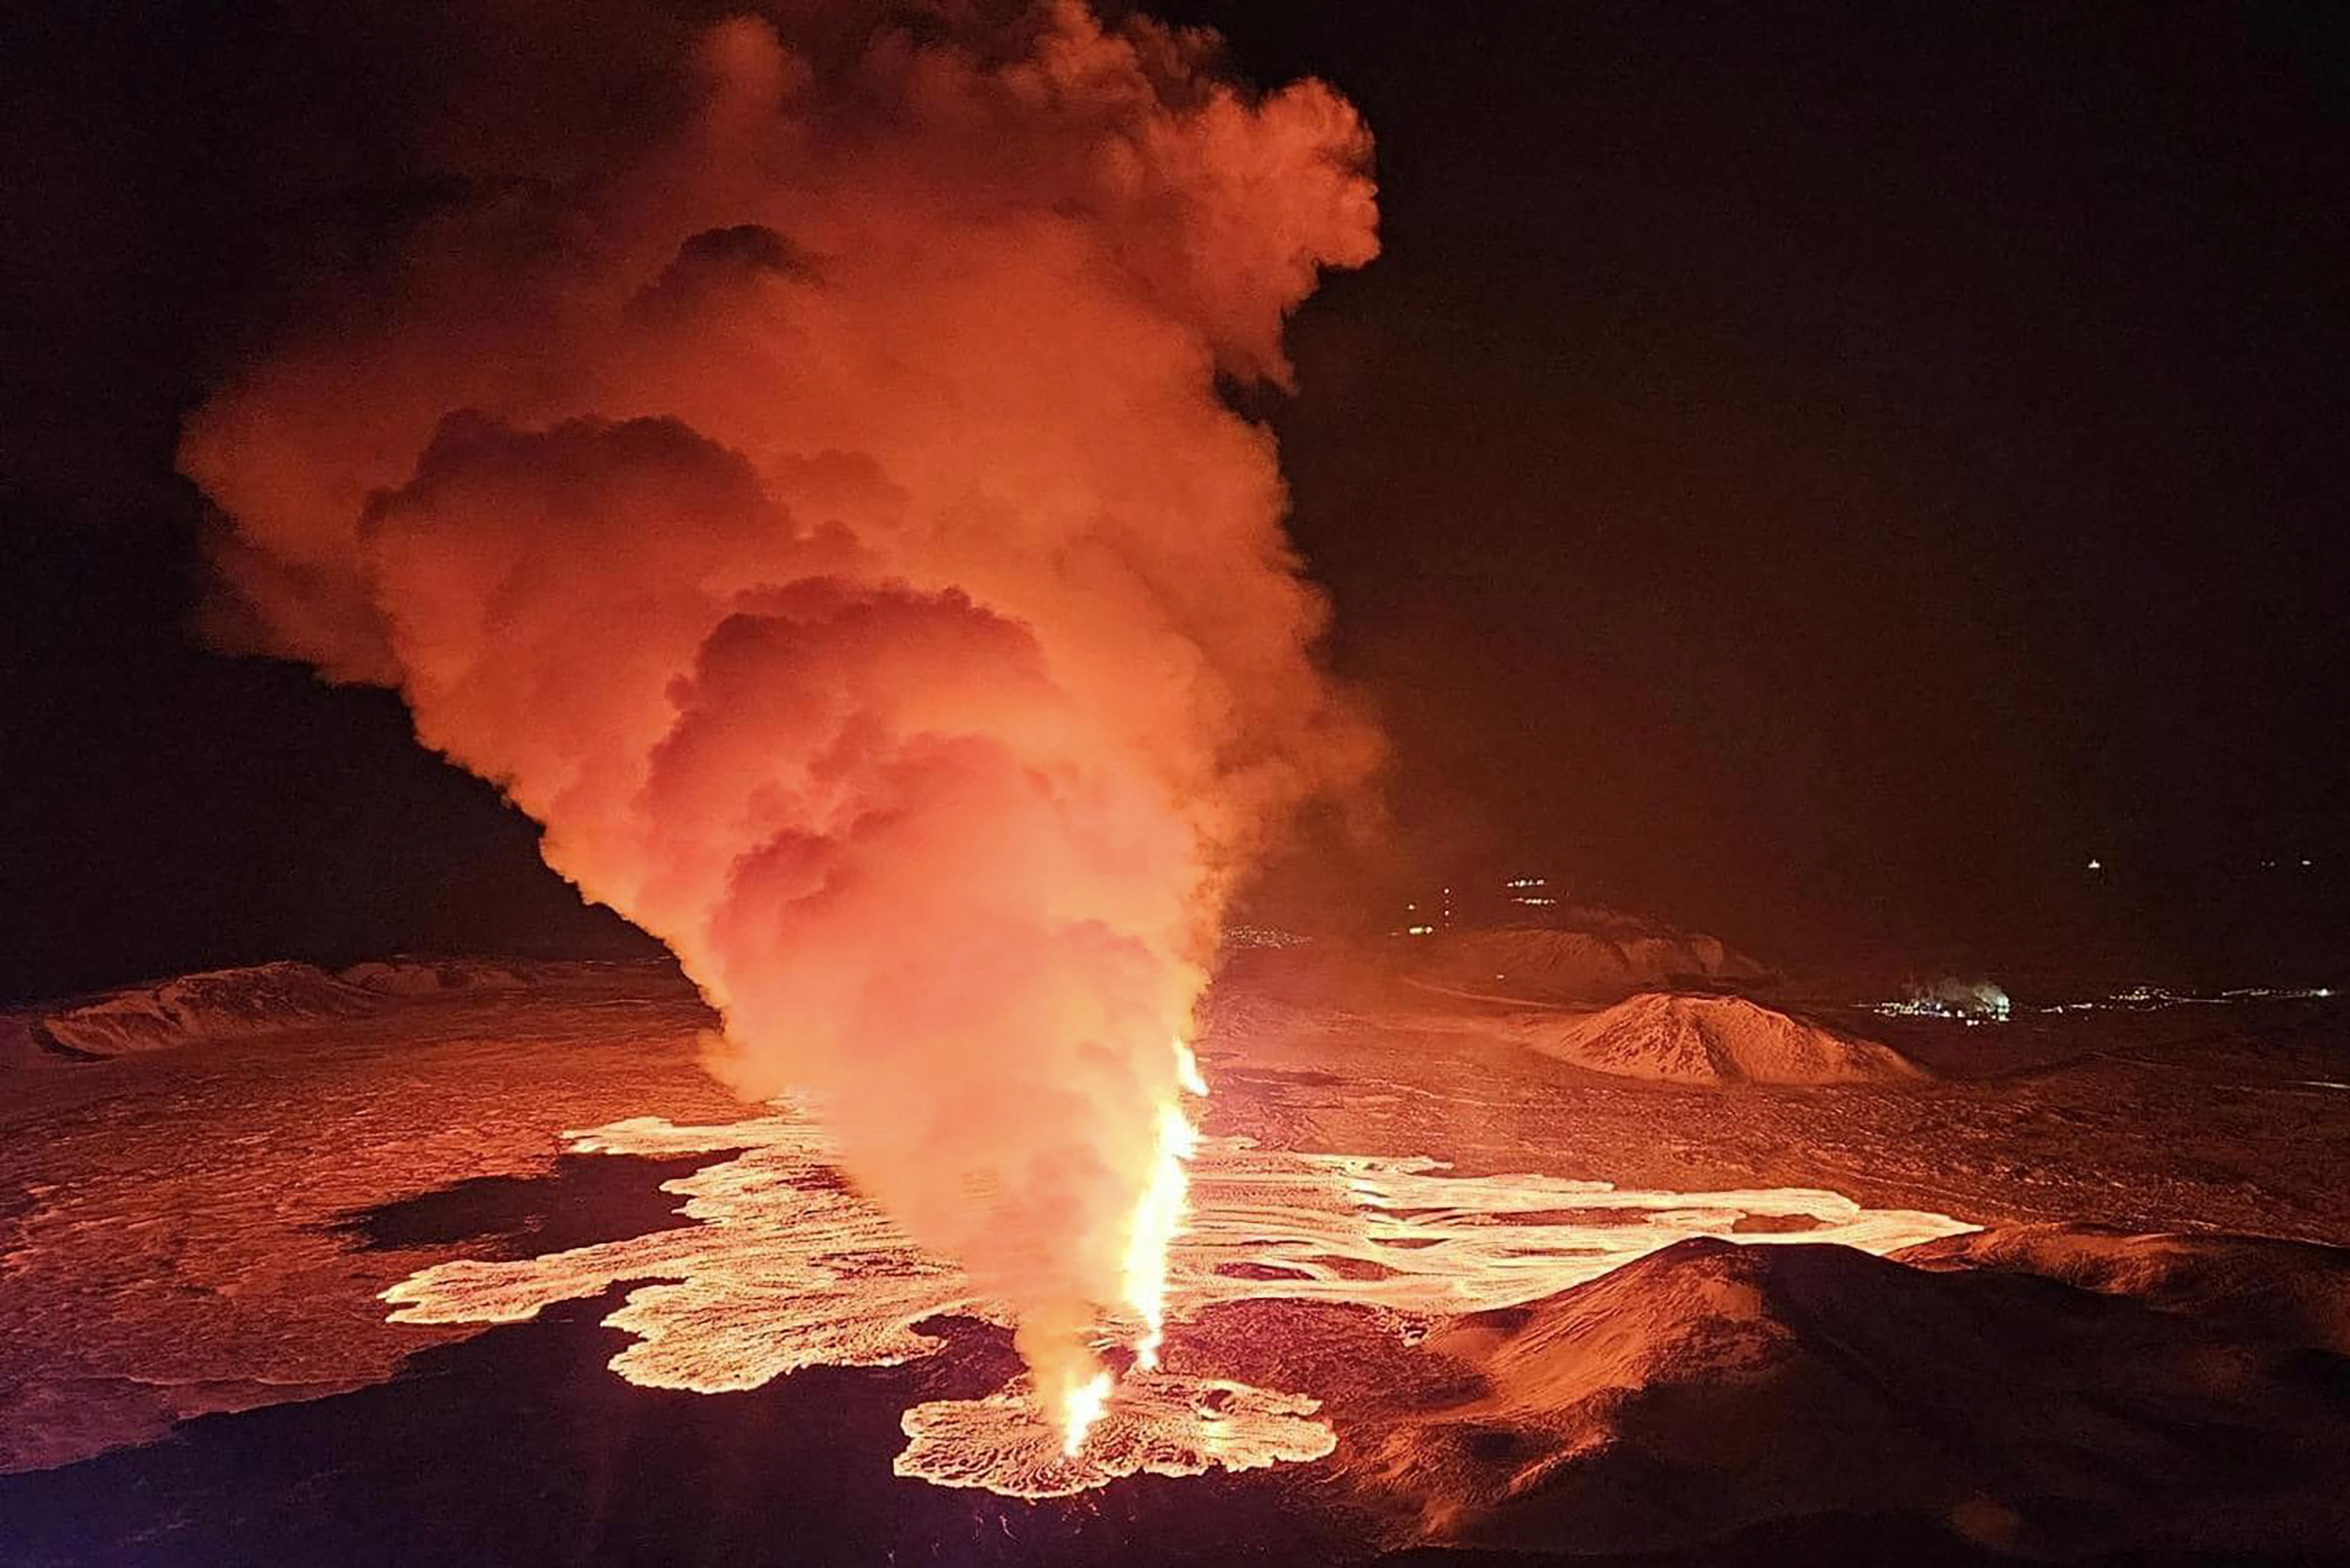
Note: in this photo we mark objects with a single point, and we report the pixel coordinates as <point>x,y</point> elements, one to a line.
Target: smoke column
<point>786,458</point>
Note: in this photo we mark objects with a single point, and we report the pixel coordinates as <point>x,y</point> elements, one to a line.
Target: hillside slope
<point>1709,1386</point>
<point>1665,1038</point>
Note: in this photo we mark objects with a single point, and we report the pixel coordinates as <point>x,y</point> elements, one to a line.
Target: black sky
<point>1822,473</point>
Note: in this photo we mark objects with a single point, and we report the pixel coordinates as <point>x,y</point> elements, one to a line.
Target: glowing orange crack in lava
<point>788,1268</point>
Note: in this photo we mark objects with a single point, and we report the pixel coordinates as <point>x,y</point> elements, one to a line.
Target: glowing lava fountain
<point>1156,1220</point>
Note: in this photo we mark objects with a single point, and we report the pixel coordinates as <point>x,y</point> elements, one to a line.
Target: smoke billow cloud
<point>787,460</point>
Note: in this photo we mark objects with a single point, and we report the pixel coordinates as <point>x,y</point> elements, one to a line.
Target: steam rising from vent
<point>812,502</point>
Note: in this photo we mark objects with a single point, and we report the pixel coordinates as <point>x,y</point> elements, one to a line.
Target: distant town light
<point>1261,936</point>
<point>1980,1003</point>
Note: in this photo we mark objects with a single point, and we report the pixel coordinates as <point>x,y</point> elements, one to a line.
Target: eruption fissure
<point>786,1270</point>
<point>813,501</point>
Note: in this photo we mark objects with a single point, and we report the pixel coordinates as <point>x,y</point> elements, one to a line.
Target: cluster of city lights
<point>1525,892</point>
<point>1992,1010</point>
<point>1261,936</point>
<point>2149,998</point>
<point>1528,890</point>
<point>1963,1001</point>
<point>1988,1004</point>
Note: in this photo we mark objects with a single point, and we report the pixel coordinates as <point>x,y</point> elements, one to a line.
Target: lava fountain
<point>809,496</point>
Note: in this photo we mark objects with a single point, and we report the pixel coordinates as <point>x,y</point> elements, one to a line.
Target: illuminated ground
<point>786,1270</point>
<point>208,1230</point>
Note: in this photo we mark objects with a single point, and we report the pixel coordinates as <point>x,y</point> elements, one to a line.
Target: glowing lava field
<point>1433,1287</point>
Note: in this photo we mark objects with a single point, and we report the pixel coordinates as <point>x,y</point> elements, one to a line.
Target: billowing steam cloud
<point>803,487</point>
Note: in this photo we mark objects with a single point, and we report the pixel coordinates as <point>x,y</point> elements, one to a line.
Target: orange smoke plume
<point>812,502</point>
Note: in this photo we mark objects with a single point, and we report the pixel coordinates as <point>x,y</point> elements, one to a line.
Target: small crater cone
<point>1668,1038</point>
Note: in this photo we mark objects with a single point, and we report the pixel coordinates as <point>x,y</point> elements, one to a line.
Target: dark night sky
<point>1818,472</point>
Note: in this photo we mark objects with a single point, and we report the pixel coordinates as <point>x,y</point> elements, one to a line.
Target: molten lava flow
<point>1160,1425</point>
<point>787,1268</point>
<point>811,497</point>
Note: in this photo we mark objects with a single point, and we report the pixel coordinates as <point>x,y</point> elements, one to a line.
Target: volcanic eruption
<point>807,491</point>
